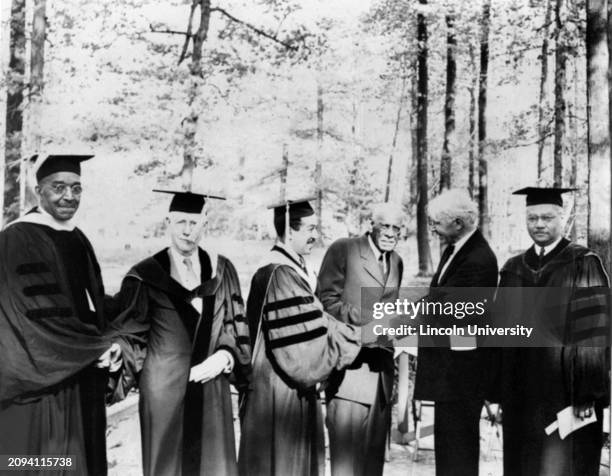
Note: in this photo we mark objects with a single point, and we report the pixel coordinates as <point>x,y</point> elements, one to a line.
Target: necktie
<point>382,261</point>
<point>541,258</point>
<point>192,279</point>
<point>446,254</point>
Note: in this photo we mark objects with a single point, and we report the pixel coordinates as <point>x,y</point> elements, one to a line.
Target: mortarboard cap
<point>187,202</point>
<point>541,195</point>
<point>58,163</point>
<point>287,210</point>
<point>297,208</point>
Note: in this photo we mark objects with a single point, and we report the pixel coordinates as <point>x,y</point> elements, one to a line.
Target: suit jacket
<point>447,375</point>
<point>348,266</point>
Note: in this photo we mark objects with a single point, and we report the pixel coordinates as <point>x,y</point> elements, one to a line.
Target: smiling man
<point>54,353</point>
<point>296,346</point>
<point>359,398</point>
<point>187,317</point>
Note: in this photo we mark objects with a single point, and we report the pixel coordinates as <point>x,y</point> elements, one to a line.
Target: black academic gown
<point>296,346</point>
<point>539,382</point>
<point>186,428</point>
<point>51,397</point>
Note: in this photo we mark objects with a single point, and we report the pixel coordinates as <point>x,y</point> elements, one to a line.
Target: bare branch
<point>527,144</point>
<point>259,31</point>
<point>167,31</point>
<point>182,56</point>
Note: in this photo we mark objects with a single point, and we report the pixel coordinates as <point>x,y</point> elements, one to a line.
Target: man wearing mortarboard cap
<point>187,316</point>
<point>296,345</point>
<point>55,343</point>
<point>539,382</point>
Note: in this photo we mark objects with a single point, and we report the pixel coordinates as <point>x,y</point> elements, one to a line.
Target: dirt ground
<point>124,447</point>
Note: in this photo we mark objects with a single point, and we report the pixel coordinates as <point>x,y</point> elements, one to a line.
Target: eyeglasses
<point>62,188</point>
<point>533,219</point>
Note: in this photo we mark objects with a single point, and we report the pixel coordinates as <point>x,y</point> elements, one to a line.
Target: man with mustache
<point>573,375</point>
<point>189,342</point>
<point>456,376</point>
<point>359,397</point>
<point>55,344</point>
<point>295,346</point>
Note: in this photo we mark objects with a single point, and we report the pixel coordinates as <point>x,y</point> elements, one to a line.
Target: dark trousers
<point>457,437</point>
<point>358,436</point>
<point>528,451</point>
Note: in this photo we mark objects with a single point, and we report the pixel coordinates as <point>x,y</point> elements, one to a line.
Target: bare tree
<point>449,103</point>
<point>542,101</point>
<point>425,266</point>
<point>598,123</point>
<point>198,74</point>
<point>14,110</point>
<point>37,81</point>
<point>473,122</point>
<point>560,73</point>
<point>398,118</point>
<point>318,165</point>
<point>483,179</point>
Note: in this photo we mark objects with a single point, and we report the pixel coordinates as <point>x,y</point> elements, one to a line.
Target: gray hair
<point>452,204</point>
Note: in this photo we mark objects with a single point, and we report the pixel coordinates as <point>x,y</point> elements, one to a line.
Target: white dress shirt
<point>378,253</point>
<point>181,273</point>
<point>547,248</point>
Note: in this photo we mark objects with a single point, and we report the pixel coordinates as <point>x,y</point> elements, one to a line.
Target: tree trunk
<point>573,149</point>
<point>190,123</point>
<point>542,129</point>
<point>560,72</point>
<point>598,123</point>
<point>398,119</point>
<point>318,165</point>
<point>14,115</point>
<point>483,221</point>
<point>449,104</point>
<point>283,174</point>
<point>414,107</point>
<point>37,66</point>
<point>424,251</point>
<point>473,112</point>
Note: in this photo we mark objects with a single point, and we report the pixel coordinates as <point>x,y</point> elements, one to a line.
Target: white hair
<point>387,213</point>
<point>452,204</point>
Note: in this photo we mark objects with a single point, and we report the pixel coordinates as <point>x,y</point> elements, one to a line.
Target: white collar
<point>290,251</point>
<point>180,258</point>
<point>547,248</point>
<point>41,217</point>
<point>278,257</point>
<point>195,260</point>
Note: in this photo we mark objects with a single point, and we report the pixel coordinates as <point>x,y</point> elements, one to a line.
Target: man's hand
<point>220,361</point>
<point>111,359</point>
<point>583,411</point>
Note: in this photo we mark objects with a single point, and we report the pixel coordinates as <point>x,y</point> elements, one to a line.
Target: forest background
<point>353,102</point>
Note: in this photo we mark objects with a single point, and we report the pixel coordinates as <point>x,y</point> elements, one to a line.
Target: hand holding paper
<point>567,420</point>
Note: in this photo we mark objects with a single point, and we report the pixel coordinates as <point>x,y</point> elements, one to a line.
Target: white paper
<point>569,423</point>
<point>550,429</point>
